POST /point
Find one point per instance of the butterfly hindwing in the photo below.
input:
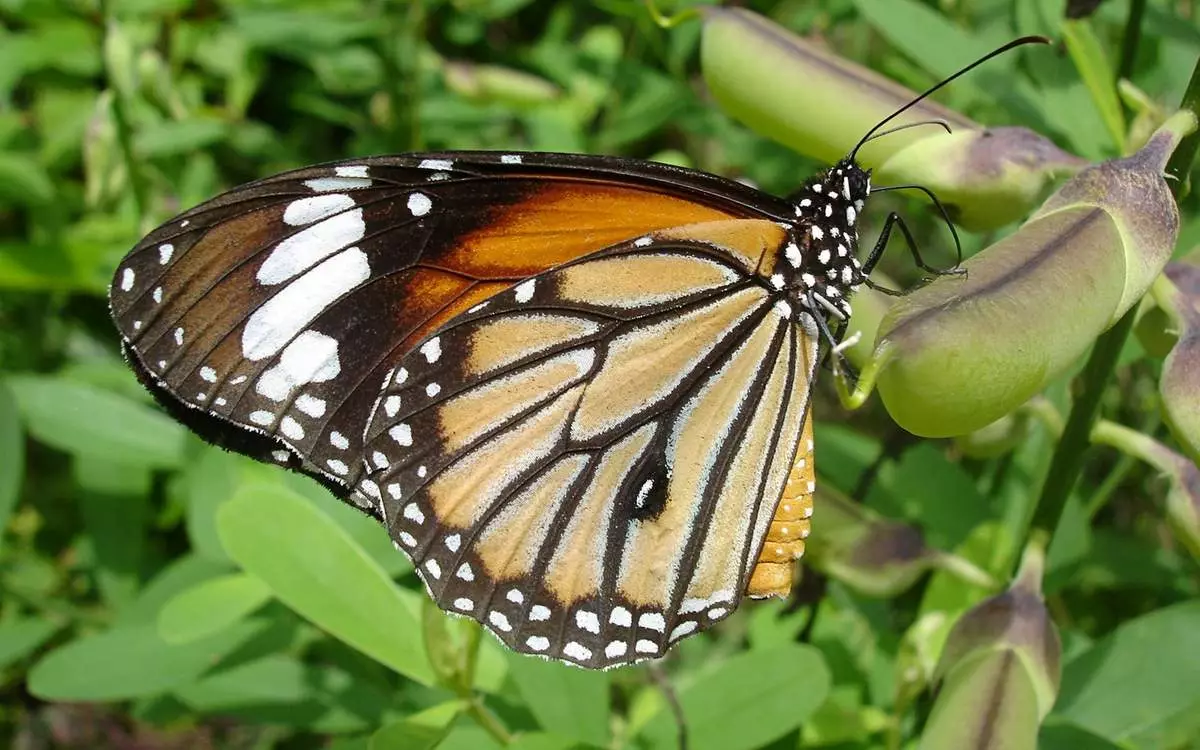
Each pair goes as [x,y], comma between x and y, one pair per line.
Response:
[588,462]
[268,317]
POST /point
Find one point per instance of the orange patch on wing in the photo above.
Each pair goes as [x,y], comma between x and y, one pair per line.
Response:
[565,220]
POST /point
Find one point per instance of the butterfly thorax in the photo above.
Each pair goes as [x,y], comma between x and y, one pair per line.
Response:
[819,266]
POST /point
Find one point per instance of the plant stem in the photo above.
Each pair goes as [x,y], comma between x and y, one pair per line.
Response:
[1068,455]
[1133,36]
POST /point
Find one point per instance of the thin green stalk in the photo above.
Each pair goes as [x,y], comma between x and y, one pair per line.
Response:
[1069,453]
[1133,37]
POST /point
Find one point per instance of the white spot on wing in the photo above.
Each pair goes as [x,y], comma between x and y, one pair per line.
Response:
[165,251]
[510,159]
[391,405]
[432,349]
[434,569]
[419,204]
[644,646]
[291,428]
[338,467]
[413,513]
[500,622]
[465,572]
[539,613]
[338,440]
[463,603]
[524,290]
[208,374]
[537,643]
[262,417]
[310,405]
[653,621]
[621,617]
[453,542]
[311,357]
[402,434]
[307,210]
[587,621]
[615,649]
[436,164]
[291,310]
[577,651]
[302,250]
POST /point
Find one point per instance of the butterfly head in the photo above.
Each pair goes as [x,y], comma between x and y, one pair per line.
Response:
[823,256]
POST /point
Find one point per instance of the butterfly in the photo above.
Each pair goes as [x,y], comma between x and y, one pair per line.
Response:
[575,389]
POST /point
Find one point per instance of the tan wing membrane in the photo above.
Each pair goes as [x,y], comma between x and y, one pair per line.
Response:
[774,571]
[592,474]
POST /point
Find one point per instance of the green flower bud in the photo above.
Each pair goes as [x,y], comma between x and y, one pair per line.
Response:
[1000,669]
[985,178]
[967,349]
[869,553]
[1180,384]
[1183,505]
[779,90]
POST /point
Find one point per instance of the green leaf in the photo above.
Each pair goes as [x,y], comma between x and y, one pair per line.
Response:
[206,483]
[1087,53]
[1141,676]
[747,701]
[278,689]
[19,638]
[929,490]
[81,419]
[211,606]
[569,702]
[314,567]
[23,181]
[129,662]
[12,457]
[420,731]
[178,137]
[179,575]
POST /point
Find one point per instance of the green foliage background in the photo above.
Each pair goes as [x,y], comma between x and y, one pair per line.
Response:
[123,615]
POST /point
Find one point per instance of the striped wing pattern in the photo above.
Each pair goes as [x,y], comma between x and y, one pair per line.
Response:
[588,462]
[268,317]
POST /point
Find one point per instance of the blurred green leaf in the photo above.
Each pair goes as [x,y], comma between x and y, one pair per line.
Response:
[179,575]
[420,731]
[747,700]
[23,181]
[81,419]
[210,606]
[314,567]
[12,456]
[174,138]
[1088,54]
[21,637]
[1113,691]
[569,702]
[129,662]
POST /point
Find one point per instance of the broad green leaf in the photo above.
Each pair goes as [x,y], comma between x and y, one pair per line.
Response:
[541,741]
[81,419]
[929,490]
[12,456]
[116,528]
[181,574]
[569,702]
[469,738]
[1142,675]
[19,638]
[205,484]
[279,689]
[1067,737]
[419,731]
[23,181]
[747,701]
[314,567]
[129,662]
[211,606]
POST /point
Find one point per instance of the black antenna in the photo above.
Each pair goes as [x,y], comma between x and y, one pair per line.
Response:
[940,123]
[1014,43]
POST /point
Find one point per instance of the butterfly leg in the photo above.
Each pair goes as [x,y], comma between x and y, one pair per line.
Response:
[894,221]
[774,573]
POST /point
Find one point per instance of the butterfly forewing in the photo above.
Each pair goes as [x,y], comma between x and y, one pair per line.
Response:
[587,463]
[275,311]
